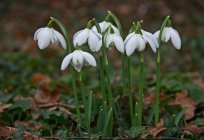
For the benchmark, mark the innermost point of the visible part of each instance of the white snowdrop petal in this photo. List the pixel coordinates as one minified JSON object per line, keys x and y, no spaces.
{"x":151,"y":37}
{"x":128,"y":37}
{"x":98,"y":46}
{"x":102,"y":26}
{"x":78,"y":67}
{"x":89,"y":59}
{"x":61,"y":39}
{"x":151,"y":43}
{"x":76,"y":34}
{"x":81,"y":37}
{"x":175,"y":38}
{"x":93,"y":40}
{"x":116,"y":30}
{"x":77,"y":58}
{"x":44,"y":39}
{"x":156,"y":34}
{"x":131,"y":45}
{"x":53,"y":37}
{"x":105,"y":25}
{"x":119,"y":44}
{"x":66,"y":61}
{"x":94,"y":29}
{"x":109,"y":40}
{"x":37,"y":32}
{"x":166,"y":34}
{"x":141,"y":44}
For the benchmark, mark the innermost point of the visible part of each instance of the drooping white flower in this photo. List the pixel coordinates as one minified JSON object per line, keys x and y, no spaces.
{"x":138,"y":41}
{"x":168,"y":33}
{"x":46,"y":36}
{"x":151,"y":39}
{"x":87,"y":35}
{"x":78,"y":58}
{"x":116,"y":40}
{"x":104,"y":25}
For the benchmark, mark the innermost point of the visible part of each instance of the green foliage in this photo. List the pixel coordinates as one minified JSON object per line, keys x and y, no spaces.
{"x":135,"y":132}
{"x":18,"y":135}
{"x":195,"y":92}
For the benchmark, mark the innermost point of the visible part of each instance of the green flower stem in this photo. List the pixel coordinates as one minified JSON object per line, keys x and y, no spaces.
{"x":124,"y":57}
{"x":87,"y":120}
{"x":124,"y":72}
{"x":129,"y":93}
{"x":75,"y":96}
{"x":141,"y":88}
{"x":157,"y":88}
{"x":102,"y":78}
{"x":158,"y":79}
{"x":69,"y":50}
{"x":110,"y":98}
{"x":108,"y":78}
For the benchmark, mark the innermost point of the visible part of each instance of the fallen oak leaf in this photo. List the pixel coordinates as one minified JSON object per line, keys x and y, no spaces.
{"x":197,"y":79}
{"x":154,"y":131}
{"x":187,"y":103}
{"x":28,"y":124}
{"x":4,"y":106}
{"x":45,"y":95}
{"x":150,"y":99}
{"x":7,"y":132}
{"x":199,"y":83}
{"x":40,"y":78}
{"x":194,"y":129}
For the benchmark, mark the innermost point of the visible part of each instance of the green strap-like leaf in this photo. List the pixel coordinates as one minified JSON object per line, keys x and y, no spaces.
{"x":178,"y":118}
{"x":107,"y":119}
{"x":99,"y":125}
{"x":89,"y":107}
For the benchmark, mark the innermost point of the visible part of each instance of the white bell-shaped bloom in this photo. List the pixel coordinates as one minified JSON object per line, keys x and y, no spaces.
{"x":168,"y":33}
{"x":151,"y":39}
{"x":104,"y":25}
{"x":46,"y":36}
{"x":87,"y":35}
{"x":78,"y":58}
{"x":116,"y":40}
{"x":138,"y":41}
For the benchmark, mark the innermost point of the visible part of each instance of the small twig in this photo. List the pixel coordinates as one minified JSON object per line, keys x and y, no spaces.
{"x":70,"y":107}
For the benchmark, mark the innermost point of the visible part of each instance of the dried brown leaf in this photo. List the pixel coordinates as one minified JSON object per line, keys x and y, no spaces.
{"x":4,"y":106}
{"x":7,"y":132}
{"x":40,"y":78}
{"x":187,"y":103}
{"x":46,"y":95}
{"x":194,"y":129}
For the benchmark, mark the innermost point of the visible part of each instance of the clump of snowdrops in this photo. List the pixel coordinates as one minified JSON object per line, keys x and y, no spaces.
{"x":99,"y":37}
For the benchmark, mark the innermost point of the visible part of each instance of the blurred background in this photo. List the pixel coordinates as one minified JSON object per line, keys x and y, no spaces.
{"x":30,"y":77}
{"x":21,"y":18}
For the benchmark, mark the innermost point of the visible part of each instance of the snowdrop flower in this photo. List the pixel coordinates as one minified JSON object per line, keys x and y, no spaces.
{"x":46,"y":36}
{"x":87,"y":35}
{"x":78,"y":58}
{"x":168,"y":33}
{"x":138,"y":41}
{"x":104,"y":25}
{"x":116,"y":40}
